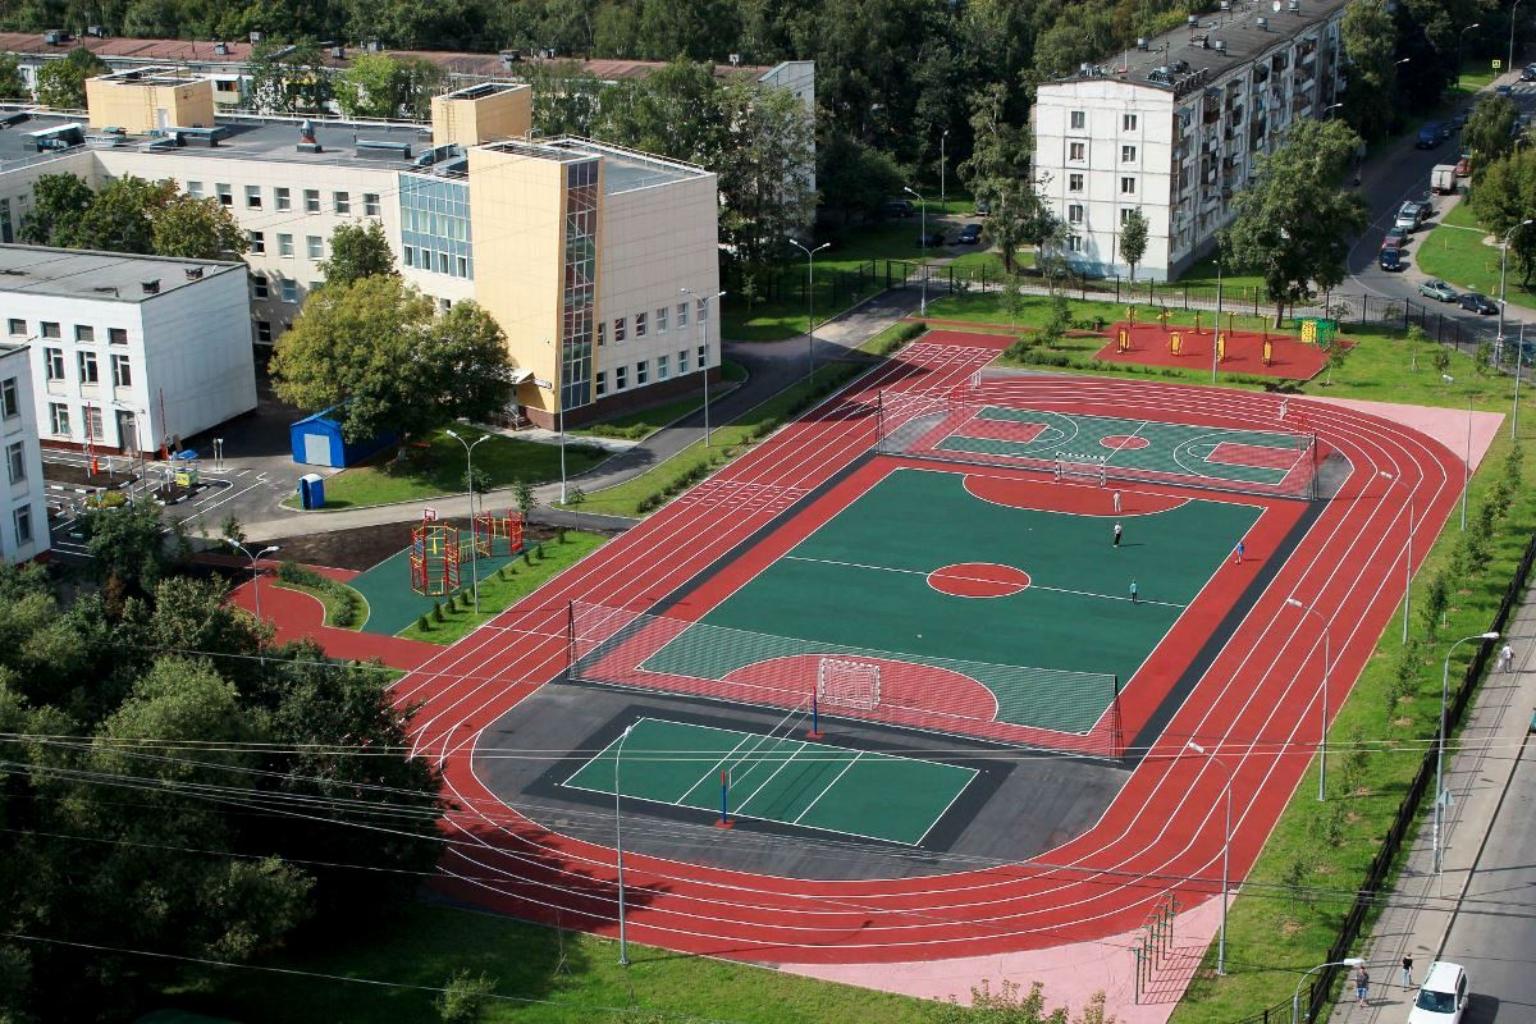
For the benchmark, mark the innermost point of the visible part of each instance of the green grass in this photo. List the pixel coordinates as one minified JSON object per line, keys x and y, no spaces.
{"x":546,"y":977}
{"x":437,"y":469}
{"x":501,"y":590}
{"x":1203,"y":274}
{"x":337,"y":606}
{"x":638,"y":425}
{"x":1455,"y":251}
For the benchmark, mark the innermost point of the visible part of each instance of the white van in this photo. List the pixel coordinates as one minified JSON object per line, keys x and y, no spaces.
{"x":1442,"y":997}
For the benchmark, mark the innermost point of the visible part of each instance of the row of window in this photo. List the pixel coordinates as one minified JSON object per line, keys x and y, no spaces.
{"x":88,"y":366}
{"x":642,"y":371}
{"x":51,"y":329}
{"x":1078,"y":121}
{"x":1075,"y":213}
{"x":288,"y":288}
{"x":91,"y":420}
{"x":314,"y":245}
{"x":1077,"y":152}
{"x":445,"y":263}
{"x":644,"y":325}
{"x":282,"y":198}
{"x":1127,"y":184}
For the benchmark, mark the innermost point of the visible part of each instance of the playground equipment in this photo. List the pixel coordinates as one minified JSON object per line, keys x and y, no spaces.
{"x":1123,"y":339}
{"x":1318,"y":331}
{"x":1176,"y":343}
{"x":435,"y":557}
{"x":488,"y":527}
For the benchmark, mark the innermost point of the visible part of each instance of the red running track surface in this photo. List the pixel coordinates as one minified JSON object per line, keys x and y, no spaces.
{"x":1258,"y":704}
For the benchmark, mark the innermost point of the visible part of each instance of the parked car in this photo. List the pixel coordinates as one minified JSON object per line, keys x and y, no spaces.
{"x":983,"y":208}
{"x":1390,"y":259}
{"x":1528,"y":73}
{"x":1464,"y":167}
{"x":1397,"y":238}
{"x":969,"y":235}
{"x":898,"y":208}
{"x":1430,"y":136}
{"x":1505,"y":90}
{"x":1435,"y":288}
{"x":1477,"y":303}
{"x":1442,"y":997}
{"x":932,"y":240}
{"x":1459,"y":120}
{"x":1408,"y":217}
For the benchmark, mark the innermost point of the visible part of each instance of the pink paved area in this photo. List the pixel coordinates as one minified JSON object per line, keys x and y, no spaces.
{"x":1448,"y":426}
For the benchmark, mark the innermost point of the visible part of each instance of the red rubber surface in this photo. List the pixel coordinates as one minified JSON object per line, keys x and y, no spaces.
{"x":1258,"y":704}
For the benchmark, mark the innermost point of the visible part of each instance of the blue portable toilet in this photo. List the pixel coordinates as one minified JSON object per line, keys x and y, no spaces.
{"x":316,"y":441}
{"x":311,"y":491}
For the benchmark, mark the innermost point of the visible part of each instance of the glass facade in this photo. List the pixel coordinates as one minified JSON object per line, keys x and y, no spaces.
{"x":578,"y":301}
{"x":434,"y":225}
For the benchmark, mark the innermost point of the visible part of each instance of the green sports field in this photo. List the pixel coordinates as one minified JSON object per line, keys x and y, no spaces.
{"x":860,"y":584}
{"x":778,"y":777}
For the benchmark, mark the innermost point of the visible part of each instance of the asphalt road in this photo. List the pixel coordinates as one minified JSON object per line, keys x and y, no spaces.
{"x":1391,"y":177}
{"x":1494,"y":935}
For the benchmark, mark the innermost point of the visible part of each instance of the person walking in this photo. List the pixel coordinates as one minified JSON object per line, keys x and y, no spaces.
{"x":1117,"y":535}
{"x":1116,"y":497}
{"x":1362,"y":986}
{"x":1506,"y":658}
{"x":1407,"y":970}
{"x":1237,"y":554}
{"x":1134,"y":592}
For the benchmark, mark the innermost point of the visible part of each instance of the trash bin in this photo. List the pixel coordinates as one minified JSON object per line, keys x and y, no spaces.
{"x":312,"y":491}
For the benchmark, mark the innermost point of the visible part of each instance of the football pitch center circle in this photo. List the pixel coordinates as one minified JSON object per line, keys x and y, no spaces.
{"x":978,"y":579}
{"x":1124,"y":442}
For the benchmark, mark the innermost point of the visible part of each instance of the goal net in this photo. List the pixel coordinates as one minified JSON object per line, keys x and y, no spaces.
{"x":843,"y":683}
{"x":1081,"y":467}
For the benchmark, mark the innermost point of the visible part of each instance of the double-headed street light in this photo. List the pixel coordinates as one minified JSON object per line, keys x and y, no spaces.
{"x":922,"y":243}
{"x":1460,"y":41}
{"x":700,"y":304}
{"x":469,"y":483}
{"x":1322,"y":740}
{"x":255,"y":571}
{"x":810,"y":302}
{"x":1349,"y":961}
{"x":1445,"y":690}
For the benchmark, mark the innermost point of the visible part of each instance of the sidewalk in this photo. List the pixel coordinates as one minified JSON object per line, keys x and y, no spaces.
{"x":1423,"y":906}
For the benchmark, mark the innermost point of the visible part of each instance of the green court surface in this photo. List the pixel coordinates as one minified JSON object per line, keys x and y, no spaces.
{"x":860,"y":585}
{"x":778,"y":778}
{"x":392,"y":604}
{"x":1174,"y":449}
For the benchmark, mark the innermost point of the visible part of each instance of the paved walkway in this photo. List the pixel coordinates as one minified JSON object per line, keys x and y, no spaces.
{"x":1423,"y":905}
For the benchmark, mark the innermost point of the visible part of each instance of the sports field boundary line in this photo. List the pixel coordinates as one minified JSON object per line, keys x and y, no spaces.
{"x":828,"y":788}
{"x":1082,"y":487}
{"x":764,"y":784}
{"x":1125,"y":440}
{"x":975,"y":773}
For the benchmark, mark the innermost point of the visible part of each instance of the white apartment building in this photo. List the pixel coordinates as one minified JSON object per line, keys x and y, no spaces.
{"x":24,"y":512}
{"x":127,"y":353}
{"x":1173,"y":128}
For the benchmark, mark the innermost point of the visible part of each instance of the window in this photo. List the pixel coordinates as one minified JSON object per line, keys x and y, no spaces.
{"x":195,"y":189}
{"x":682,"y":360}
{"x":618,"y":331}
{"x":1127,"y":154}
{"x":15,"y":463}
{"x":682,"y":315}
{"x":259,"y":286}
{"x":1079,"y":120}
{"x":58,"y":419}
{"x":602,"y":333}
{"x":258,"y":240}
{"x":642,"y":372}
{"x":1075,"y":213}
{"x":122,"y":372}
{"x":1075,"y":243}
{"x":442,"y":263}
{"x":264,"y":330}
{"x":253,"y":197}
{"x":92,"y":419}
{"x":50,"y":330}
{"x":1128,"y":186}
{"x":370,"y":204}
{"x":703,"y":310}
{"x":661,"y":320}
{"x":463,"y":266}
{"x":1127,"y":122}
{"x":620,"y":378}
{"x":226,"y":194}
{"x":640,"y":325}
{"x":290,"y":290}
{"x":662,"y":370}
{"x":311,"y":200}
{"x":53,"y":363}
{"x":408,"y":254}
{"x":18,"y":327}
{"x":84,"y":333}
{"x":282,"y":198}
{"x":703,"y":359}
{"x":10,"y":398}
{"x":341,"y":202}
{"x":23,"y":517}
{"x":1125,"y":213}
{"x":1077,"y":151}
{"x":285,"y":245}
{"x":602,"y":383}
{"x":314,"y":247}
{"x":88,"y":370}
{"x":1074,"y":183}
{"x":117,"y":335}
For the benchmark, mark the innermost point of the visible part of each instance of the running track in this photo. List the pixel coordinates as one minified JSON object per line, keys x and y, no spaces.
{"x":1259,"y":704}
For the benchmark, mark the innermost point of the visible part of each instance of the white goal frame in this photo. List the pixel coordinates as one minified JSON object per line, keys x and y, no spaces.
{"x":844,"y":682}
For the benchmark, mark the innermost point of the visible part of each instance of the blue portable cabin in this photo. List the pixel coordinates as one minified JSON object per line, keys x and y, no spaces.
{"x":317,"y":441}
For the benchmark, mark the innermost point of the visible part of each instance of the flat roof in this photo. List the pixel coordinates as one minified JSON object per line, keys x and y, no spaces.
{"x":624,"y":170}
{"x":1247,"y":30}
{"x":110,"y":276}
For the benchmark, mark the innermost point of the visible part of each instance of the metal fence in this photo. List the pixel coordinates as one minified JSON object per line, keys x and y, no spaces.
{"x":836,"y":288}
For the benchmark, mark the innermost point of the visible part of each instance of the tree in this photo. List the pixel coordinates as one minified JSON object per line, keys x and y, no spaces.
{"x":59,"y":201}
{"x":766,"y":197}
{"x":1369,"y":35}
{"x":61,"y":83}
{"x":289,"y":78}
{"x":127,"y":545}
{"x":358,"y":250}
{"x":374,"y":350}
{"x":194,"y":228}
{"x":379,"y":85}
{"x":998,"y":174}
{"x":855,"y":179}
{"x":1294,"y":224}
{"x":463,"y":999}
{"x":1490,"y":132}
{"x":1133,"y":238}
{"x":121,"y":217}
{"x":12,"y":85}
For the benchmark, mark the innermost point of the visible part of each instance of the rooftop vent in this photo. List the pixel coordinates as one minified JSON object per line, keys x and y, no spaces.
{"x":194,"y":273}
{"x":151,"y":287}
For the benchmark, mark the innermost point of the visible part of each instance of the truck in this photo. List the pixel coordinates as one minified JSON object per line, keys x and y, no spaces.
{"x":1442,"y":179}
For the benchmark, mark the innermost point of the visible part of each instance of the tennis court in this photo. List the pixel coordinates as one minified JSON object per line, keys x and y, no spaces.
{"x":779,"y":777}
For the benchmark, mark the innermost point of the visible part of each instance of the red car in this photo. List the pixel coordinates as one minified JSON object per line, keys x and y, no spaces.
{"x":1463,"y":167}
{"x":1395,"y":239}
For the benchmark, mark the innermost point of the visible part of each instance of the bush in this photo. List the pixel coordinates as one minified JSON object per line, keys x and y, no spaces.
{"x":424,"y":624}
{"x":437,"y":611}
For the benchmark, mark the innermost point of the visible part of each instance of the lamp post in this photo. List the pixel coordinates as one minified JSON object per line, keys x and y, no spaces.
{"x":255,"y":572}
{"x":618,"y":842}
{"x":1445,"y":690}
{"x":1217,"y":337}
{"x":469,"y":481}
{"x":700,"y":312}
{"x":922,"y":244}
{"x":549,"y":385}
{"x":1407,"y":560}
{"x":1460,"y":42}
{"x":944,"y":138}
{"x":1511,"y":65}
{"x":1466,"y":460}
{"x":1498,"y":340}
{"x":810,"y":302}
{"x":1514,"y":409}
{"x":1322,"y":742}
{"x":1226,"y":850}
{"x":1349,"y":961}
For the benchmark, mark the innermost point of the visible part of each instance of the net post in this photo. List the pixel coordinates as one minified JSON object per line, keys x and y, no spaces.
{"x":570,"y":638}
{"x":815,"y":733}
{"x":725,"y":801}
{"x":1314,"y":466}
{"x":880,"y":419}
{"x":1116,"y":739}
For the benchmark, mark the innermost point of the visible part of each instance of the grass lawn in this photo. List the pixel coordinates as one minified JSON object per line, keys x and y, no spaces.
{"x":338,"y":608}
{"x":544,"y":978}
{"x":438,"y":469}
{"x":502,"y":590}
{"x":637,"y":426}
{"x":1035,"y":310}
{"x":1455,"y":251}
{"x":992,"y":260}
{"x":1204,"y":275}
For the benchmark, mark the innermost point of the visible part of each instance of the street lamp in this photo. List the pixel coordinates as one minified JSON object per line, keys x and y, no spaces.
{"x":810,"y":302}
{"x":1226,"y":850}
{"x":618,"y":842}
{"x":255,"y":572}
{"x":1329,"y":108}
{"x":1322,"y":743}
{"x":469,"y":482}
{"x":1511,"y":65}
{"x":1498,"y":341}
{"x":1460,"y":41}
{"x":1466,"y":459}
{"x":1407,"y":559}
{"x":1349,"y":961}
{"x":922,"y":243}
{"x":944,"y":137}
{"x":1514,"y":410}
{"x":1445,"y":689}
{"x":700,"y":311}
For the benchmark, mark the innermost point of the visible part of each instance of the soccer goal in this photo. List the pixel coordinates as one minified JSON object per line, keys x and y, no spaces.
{"x":841,"y":682}
{"x":1082,"y":467}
